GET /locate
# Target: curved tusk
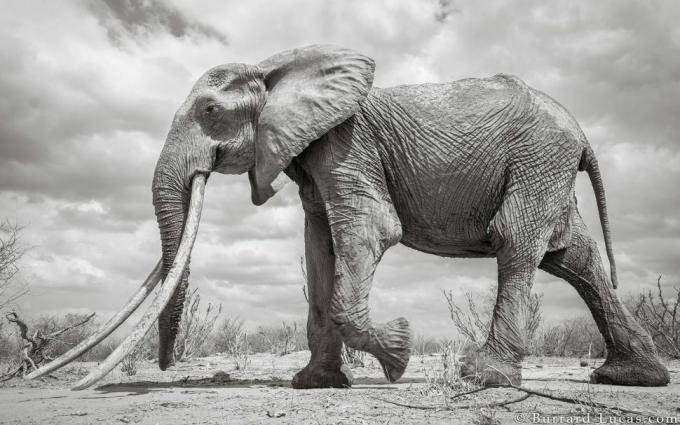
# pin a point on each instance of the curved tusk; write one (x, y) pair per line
(163, 297)
(110, 326)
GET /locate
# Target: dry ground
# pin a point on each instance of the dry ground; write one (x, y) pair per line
(189, 394)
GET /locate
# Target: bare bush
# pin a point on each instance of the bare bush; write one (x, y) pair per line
(44, 343)
(424, 345)
(574, 337)
(227, 333)
(472, 318)
(232, 338)
(195, 327)
(443, 378)
(660, 316)
(281, 340)
(240, 352)
(9, 344)
(129, 363)
(11, 252)
(50, 324)
(352, 357)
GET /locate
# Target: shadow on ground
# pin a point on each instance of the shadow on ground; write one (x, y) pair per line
(144, 387)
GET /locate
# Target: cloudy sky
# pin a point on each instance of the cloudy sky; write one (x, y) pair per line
(88, 90)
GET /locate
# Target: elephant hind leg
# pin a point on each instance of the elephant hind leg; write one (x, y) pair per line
(631, 355)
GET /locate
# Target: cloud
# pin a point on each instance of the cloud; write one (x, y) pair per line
(90, 88)
(142, 18)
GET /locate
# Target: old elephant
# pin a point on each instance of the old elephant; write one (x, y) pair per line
(471, 168)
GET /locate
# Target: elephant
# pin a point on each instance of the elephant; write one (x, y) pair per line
(480, 167)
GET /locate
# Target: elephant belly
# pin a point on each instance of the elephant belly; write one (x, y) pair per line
(447, 213)
(445, 155)
(458, 249)
(455, 238)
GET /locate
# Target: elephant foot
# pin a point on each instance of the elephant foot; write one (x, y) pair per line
(317, 377)
(485, 368)
(634, 372)
(394, 348)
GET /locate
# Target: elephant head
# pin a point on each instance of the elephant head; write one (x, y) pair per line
(237, 118)
(241, 118)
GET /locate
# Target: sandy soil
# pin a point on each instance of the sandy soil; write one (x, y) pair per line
(191, 394)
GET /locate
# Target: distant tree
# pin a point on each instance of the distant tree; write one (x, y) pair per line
(11, 252)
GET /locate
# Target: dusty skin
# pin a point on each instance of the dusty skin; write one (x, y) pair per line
(194, 392)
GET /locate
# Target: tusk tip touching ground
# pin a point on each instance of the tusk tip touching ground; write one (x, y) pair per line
(165, 293)
(133, 303)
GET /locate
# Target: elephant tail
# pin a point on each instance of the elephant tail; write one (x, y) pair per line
(589, 165)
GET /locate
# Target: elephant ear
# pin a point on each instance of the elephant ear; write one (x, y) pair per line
(309, 91)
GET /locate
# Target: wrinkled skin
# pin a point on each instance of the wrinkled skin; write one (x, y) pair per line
(473, 168)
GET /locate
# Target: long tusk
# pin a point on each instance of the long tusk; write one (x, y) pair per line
(110, 326)
(163, 297)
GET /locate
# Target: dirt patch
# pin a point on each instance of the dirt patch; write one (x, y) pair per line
(210, 390)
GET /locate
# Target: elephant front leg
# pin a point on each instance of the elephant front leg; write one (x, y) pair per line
(363, 227)
(325, 368)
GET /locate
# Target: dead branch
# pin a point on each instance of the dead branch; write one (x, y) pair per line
(34, 347)
(476, 390)
(571, 400)
(54, 335)
(460, 406)
(528, 393)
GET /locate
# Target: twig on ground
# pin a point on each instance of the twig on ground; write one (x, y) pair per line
(460, 406)
(476, 390)
(577, 401)
(528, 393)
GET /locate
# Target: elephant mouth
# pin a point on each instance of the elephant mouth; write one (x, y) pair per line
(162, 299)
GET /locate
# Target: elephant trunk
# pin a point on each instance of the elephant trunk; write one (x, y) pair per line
(176, 166)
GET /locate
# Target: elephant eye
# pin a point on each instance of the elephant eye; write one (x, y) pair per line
(210, 110)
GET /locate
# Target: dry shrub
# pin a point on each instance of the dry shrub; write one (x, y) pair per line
(231, 338)
(50, 324)
(240, 351)
(352, 357)
(574, 337)
(8, 343)
(129, 363)
(281, 340)
(227, 334)
(11, 251)
(195, 327)
(472, 318)
(660, 316)
(425, 345)
(42, 342)
(443, 378)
